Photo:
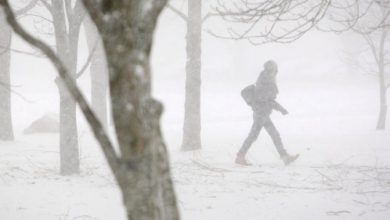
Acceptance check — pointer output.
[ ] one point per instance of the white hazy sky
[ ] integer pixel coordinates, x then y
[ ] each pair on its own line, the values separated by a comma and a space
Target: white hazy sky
226, 64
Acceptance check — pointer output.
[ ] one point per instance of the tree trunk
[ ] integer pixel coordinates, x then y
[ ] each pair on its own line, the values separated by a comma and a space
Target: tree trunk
69, 149
99, 72
67, 36
381, 124
192, 112
136, 115
127, 29
6, 129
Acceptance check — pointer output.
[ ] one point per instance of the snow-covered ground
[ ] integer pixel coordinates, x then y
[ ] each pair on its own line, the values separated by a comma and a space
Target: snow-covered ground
343, 171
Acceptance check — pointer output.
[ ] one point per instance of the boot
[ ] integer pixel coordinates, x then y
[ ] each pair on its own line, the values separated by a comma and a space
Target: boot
287, 158
242, 161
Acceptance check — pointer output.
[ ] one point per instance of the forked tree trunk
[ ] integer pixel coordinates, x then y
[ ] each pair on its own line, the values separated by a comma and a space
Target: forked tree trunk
127, 29
99, 72
67, 36
6, 129
192, 108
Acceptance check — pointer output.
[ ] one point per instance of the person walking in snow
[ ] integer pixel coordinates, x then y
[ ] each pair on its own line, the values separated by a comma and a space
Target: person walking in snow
261, 97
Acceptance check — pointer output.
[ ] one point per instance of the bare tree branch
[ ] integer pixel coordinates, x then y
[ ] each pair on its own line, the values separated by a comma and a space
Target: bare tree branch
93, 8
21, 52
209, 15
78, 12
47, 6
86, 64
69, 82
281, 21
372, 46
68, 9
37, 16
27, 8
284, 21
178, 12
8, 87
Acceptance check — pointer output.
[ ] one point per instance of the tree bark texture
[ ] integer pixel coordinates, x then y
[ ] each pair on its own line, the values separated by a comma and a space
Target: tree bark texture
127, 29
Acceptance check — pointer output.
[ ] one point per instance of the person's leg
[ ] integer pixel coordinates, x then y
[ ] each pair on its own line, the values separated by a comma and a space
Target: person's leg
275, 136
258, 123
273, 132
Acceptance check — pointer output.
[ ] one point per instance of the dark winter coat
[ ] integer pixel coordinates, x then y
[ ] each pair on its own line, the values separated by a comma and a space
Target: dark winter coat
266, 92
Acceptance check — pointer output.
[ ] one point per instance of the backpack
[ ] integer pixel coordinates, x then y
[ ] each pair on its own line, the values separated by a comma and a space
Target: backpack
248, 94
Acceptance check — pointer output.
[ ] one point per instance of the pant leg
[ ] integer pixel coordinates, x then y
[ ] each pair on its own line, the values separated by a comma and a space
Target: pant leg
275, 136
258, 123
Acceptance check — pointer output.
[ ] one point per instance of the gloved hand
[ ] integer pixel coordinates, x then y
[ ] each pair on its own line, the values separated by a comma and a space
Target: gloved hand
284, 111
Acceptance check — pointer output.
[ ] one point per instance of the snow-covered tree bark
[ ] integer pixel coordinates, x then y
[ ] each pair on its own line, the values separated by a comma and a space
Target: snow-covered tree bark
99, 72
6, 129
66, 31
142, 169
127, 29
192, 108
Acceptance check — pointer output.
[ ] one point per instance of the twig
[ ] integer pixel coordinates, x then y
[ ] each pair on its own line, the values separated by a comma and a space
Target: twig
338, 212
8, 87
323, 175
178, 12
297, 187
27, 8
91, 54
210, 168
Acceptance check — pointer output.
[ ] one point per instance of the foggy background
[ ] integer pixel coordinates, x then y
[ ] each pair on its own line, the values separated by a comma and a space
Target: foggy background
319, 82
333, 106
